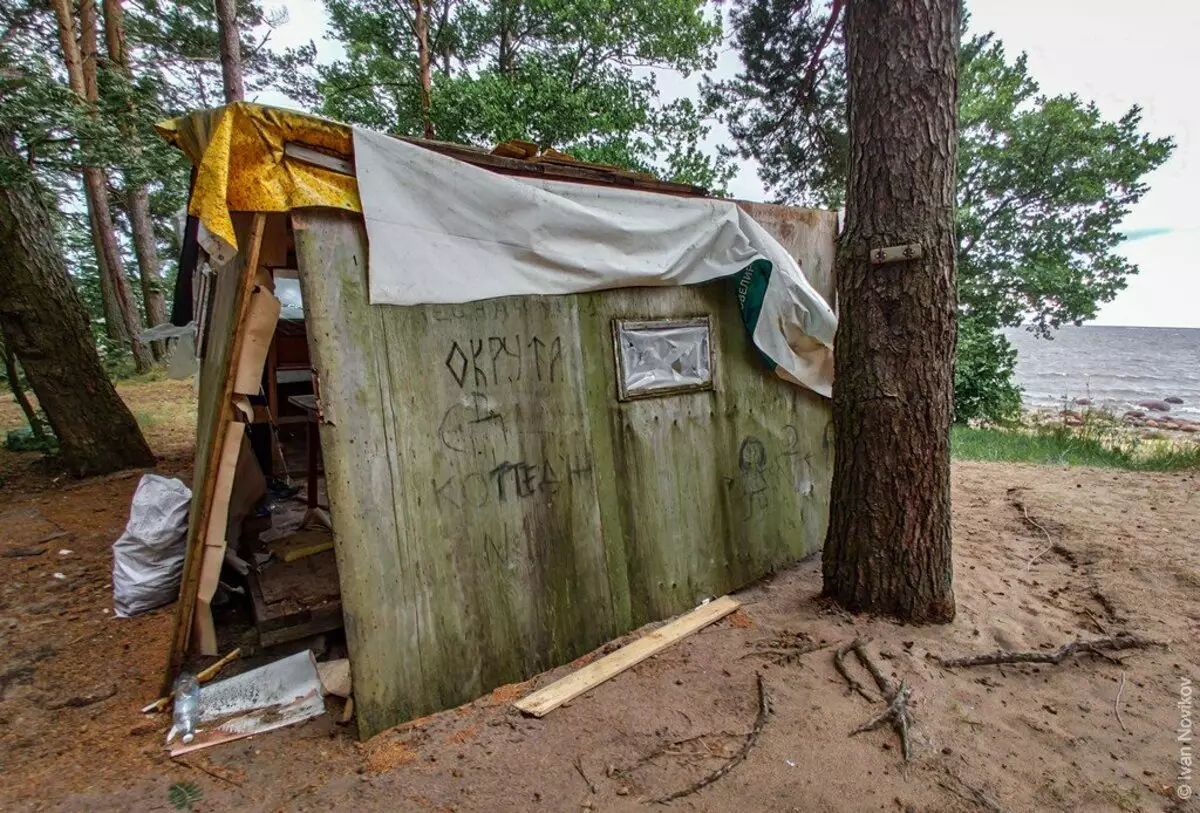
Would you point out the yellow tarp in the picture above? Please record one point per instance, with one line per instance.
(238, 154)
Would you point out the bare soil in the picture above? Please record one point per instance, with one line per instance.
(1043, 556)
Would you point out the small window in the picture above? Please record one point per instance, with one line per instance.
(664, 357)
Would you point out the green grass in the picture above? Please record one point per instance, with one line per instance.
(1061, 447)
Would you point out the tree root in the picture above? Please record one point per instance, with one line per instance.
(1099, 646)
(839, 663)
(971, 794)
(897, 713)
(764, 708)
(785, 649)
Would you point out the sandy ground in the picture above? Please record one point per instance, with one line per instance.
(1126, 556)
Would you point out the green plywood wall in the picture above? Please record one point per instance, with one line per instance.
(498, 511)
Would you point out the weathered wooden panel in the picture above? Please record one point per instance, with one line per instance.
(498, 511)
(807, 234)
(214, 411)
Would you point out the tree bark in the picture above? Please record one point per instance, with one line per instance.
(231, 51)
(889, 542)
(45, 324)
(80, 59)
(137, 202)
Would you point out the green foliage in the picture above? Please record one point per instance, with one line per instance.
(1060, 446)
(184, 795)
(1043, 181)
(558, 73)
(983, 371)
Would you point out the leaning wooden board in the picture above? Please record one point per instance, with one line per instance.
(546, 700)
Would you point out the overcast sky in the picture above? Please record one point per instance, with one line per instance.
(1110, 52)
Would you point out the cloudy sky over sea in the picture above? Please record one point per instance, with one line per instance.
(1088, 47)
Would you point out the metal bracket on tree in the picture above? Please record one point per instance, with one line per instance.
(893, 254)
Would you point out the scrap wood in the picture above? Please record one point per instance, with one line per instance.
(546, 700)
(760, 721)
(1097, 646)
(295, 554)
(204, 676)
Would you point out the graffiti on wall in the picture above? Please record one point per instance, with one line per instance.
(767, 470)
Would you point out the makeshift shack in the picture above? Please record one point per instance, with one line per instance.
(555, 400)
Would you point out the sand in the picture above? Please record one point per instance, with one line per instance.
(1110, 551)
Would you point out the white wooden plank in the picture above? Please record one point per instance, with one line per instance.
(546, 700)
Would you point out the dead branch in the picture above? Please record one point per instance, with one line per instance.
(579, 767)
(1049, 542)
(760, 721)
(1117, 704)
(839, 663)
(1100, 647)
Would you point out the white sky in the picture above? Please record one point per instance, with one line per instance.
(1096, 48)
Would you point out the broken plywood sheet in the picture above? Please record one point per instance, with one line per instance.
(259, 326)
(279, 694)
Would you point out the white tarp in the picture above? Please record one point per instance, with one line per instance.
(442, 231)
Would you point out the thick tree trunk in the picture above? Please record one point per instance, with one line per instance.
(80, 59)
(137, 202)
(888, 546)
(45, 324)
(231, 51)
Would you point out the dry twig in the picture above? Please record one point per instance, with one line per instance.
(764, 708)
(1099, 646)
(579, 767)
(839, 663)
(1117, 704)
(1034, 523)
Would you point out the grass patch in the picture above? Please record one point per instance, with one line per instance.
(1062, 447)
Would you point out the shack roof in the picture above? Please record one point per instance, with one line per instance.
(256, 158)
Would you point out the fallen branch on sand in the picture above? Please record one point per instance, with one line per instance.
(764, 708)
(579, 767)
(1098, 646)
(897, 712)
(1117, 704)
(1033, 523)
(839, 663)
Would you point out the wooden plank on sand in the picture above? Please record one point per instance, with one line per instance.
(546, 700)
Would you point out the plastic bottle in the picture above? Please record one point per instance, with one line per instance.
(187, 706)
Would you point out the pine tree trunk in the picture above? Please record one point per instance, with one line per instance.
(421, 29)
(889, 543)
(45, 324)
(80, 59)
(145, 246)
(231, 51)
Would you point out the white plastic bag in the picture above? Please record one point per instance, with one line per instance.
(148, 558)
